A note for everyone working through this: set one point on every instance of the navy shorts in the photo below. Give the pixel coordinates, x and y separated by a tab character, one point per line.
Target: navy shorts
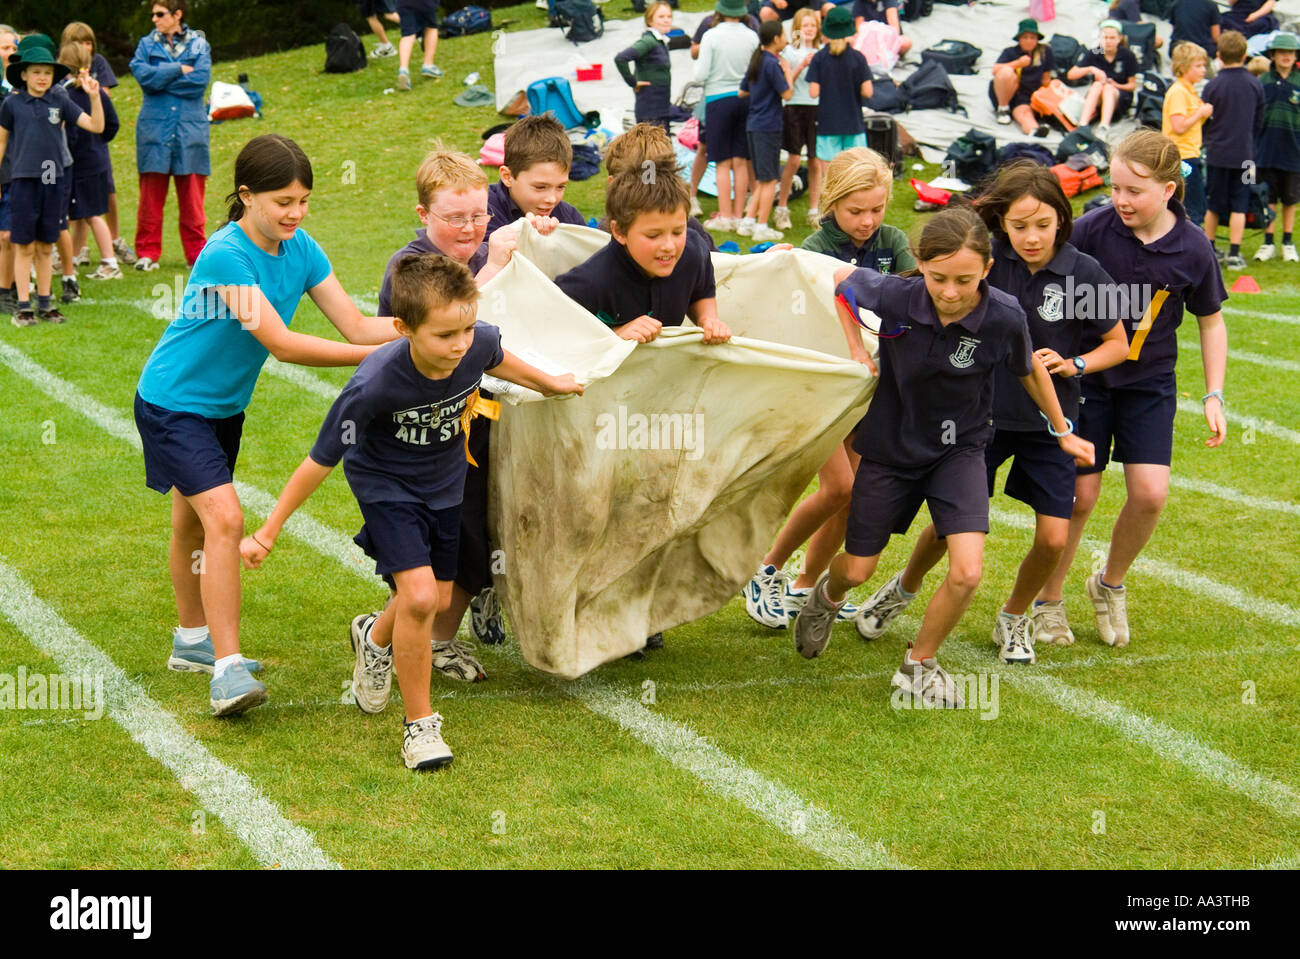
887	498
38	211
791	8
1042	474
1283	185
724	129
89	196
375	8
654	104
190	452
402	536
1139	418
417	16
1226	191
4	211
765	153
474	572
800	129
112	184
1020	98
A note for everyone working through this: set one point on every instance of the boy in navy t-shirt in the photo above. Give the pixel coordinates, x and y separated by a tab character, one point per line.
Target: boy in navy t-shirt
401	427
534	173
1229	138
1196	21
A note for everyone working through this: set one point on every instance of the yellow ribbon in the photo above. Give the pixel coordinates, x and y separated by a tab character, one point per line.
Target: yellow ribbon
1144	327
477	405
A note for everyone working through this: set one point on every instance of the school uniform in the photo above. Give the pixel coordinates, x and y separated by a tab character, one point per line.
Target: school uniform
791	8
38	203
887	250
876	10
923	438
1133	404
799	115
401	437
1229	138
1031	77
764	122
653	67
505	210
1122	69
418	247
1234	18
1277	145
103	72
725	51
1042	474
416	16
1192	20
89	179
839	104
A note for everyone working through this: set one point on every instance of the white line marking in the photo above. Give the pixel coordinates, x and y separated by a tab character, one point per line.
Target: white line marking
1286	862
1267	427
1245	356
1293	319
1226	493
226	793
299	377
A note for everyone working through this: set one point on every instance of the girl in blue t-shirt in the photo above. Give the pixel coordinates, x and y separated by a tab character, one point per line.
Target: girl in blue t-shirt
189	404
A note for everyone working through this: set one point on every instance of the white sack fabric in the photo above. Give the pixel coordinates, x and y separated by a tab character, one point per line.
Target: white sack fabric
649	501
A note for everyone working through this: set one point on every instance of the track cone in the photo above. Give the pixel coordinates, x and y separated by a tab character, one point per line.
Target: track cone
1245	284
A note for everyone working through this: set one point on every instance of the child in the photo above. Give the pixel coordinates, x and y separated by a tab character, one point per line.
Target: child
766	84
631	151
31	124
1033	261
1183	116
1021	70
1146	240
88	202
1277	146
402	427
725	52
701	163
858	182
1114	70
8	291
1195	21
189	404
652	78
417	18
1237	100
839	80
881	11
1250	17
942	335
373	10
799	118
534	174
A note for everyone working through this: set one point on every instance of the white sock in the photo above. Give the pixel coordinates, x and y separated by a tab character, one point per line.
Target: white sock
191	635
110	262
902	592
225	662
382	650
1010	617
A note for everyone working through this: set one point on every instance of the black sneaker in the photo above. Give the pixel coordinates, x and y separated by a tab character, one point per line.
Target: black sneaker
71	290
8	301
24	318
1043	130
655	642
52	315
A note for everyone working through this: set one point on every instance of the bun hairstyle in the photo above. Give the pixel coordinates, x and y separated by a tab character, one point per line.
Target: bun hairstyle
267	162
1019	179
1155	153
651	187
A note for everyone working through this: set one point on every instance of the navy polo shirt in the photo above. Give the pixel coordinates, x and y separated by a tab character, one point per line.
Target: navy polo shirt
420	245
505	210
35	126
873	9
1129	10
101	71
935	392
90	150
1063	310
839	106
1122	70
1031	77
1229	135
765	96
611	286
1192	20
1182	262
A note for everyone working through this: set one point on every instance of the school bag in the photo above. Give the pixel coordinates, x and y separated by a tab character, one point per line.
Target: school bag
1066	53
493	151
1083	140
930	89
1026	151
957	56
553	95
882	136
1096	203
1142	41
579	19
1151	91
463	22
886	97
1073	181
1058	102
1259	215
586	162
972	156
344	51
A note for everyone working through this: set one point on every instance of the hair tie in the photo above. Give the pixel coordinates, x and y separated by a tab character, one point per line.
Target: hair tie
1185	168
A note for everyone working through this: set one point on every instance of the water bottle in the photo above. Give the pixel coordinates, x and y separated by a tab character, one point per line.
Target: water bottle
471	79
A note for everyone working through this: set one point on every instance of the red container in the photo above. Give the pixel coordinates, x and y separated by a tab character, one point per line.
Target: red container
593	72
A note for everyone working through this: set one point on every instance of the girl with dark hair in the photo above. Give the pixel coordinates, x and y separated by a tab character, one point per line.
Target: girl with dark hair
189	404
942	335
767	86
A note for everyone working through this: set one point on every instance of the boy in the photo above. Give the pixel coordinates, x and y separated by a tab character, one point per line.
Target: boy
8	294
372	10
416	17
32	119
402	427
1195	21
1183	116
534	174
1277	147
631	150
1238	102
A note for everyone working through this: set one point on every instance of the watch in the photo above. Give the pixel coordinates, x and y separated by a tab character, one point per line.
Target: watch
1079	364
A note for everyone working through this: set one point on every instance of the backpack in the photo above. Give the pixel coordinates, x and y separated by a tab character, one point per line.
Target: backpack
1141	39
1058	102
916	9
882	136
930	89
586	162
1066	53
1074	182
344	51
1084	141
886	97
1026	151
1259	215
553	95
957	56
972	156
1096	203
466	20
1151	91
584	22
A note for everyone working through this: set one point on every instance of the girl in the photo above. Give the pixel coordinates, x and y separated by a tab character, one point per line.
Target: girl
839	80
942	335
189	404
857	191
725	52
799	119
1020	70
652	78
1114	70
1030	219
1143	238
766	85
1183	116
91	174
1250	17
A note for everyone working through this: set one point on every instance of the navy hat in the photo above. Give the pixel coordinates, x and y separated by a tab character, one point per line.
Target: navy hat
38	48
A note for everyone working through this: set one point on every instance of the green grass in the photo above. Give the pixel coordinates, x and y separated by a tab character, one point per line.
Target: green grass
561	785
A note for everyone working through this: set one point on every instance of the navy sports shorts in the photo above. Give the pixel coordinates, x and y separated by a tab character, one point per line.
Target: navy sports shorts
375	8
1283	185
724	129
1018	99
765	153
1041	475
887	498
190	452
1139	418
474	571
4	211
89	196
1226	191
402	536
799	129
38	211
417	16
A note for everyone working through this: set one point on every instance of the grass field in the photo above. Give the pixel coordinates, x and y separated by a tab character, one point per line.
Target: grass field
726	749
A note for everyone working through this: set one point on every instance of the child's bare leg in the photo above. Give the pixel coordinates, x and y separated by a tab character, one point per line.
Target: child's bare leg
111	217
951	599
834	485
404	47
66	253
24	253
78	230
377	28
1087	488
763	195
430	45
848	572
103	237
44	267
420	596
723	177
222	519
184	554
927	552
448	622
1050	536
787	179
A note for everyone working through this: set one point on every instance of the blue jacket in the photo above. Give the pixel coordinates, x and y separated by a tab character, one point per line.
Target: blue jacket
171	133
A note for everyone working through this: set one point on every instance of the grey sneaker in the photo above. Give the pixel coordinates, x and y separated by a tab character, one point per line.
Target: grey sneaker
1112	611
8	302
453	659
23	318
199	657
874	615
145	265
485	618
235	692
1237	262
1050	624
431	72
422	745
71	290
797	596
372	675
82	258
384	50
927	681
1004	115
1012	637
124	252
403	81
812	627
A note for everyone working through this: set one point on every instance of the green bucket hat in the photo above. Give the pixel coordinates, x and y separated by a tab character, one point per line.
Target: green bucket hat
476	96
732	8
38	48
838	24
1283	41
1028	25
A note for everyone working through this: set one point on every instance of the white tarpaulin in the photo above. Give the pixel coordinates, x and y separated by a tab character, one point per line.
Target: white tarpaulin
649	501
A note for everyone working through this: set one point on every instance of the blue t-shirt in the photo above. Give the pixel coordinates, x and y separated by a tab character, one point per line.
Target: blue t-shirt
1192	20
35	126
207	362
398	432
765	96
873	9
839	104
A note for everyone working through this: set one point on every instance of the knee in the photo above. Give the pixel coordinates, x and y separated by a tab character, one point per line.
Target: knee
420	601
224	523
1148	500
965	576
1051	541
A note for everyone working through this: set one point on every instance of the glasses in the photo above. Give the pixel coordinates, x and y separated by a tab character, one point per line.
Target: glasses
158	16
459	222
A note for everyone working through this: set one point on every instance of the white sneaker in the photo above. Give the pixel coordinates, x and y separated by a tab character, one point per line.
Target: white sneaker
764	595
927	681
1011	636
874	615
1050	624
720	224
812	627
384	50
124	252
1004	116
696	209
746	226
814	218
1112	611
1265	252
765	234
106	272
144	264
781	218
453	659
422	745
372	675
1289	254
82	258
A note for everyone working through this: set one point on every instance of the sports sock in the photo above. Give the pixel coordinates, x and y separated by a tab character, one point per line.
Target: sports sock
1103	582
24	305
381	650
1268	239
225	662
42	302
1234	249
111	262
902	592
1286	239
191	635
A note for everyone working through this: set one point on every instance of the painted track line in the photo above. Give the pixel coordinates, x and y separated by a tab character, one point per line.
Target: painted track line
226	793
1290	318
1224	493
1267	427
1245	356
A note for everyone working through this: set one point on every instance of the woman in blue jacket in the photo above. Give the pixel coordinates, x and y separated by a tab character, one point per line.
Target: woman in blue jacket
172	65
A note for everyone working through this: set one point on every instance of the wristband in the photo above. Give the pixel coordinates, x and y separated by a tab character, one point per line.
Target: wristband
1069	424
254	538
1219	394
